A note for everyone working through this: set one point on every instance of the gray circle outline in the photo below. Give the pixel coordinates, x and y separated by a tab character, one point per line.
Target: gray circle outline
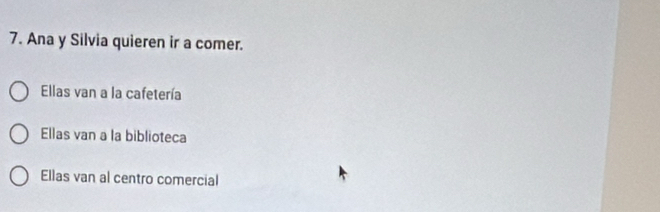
27	176
27	91
27	133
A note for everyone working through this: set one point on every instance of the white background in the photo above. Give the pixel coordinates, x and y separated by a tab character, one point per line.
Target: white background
430	106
